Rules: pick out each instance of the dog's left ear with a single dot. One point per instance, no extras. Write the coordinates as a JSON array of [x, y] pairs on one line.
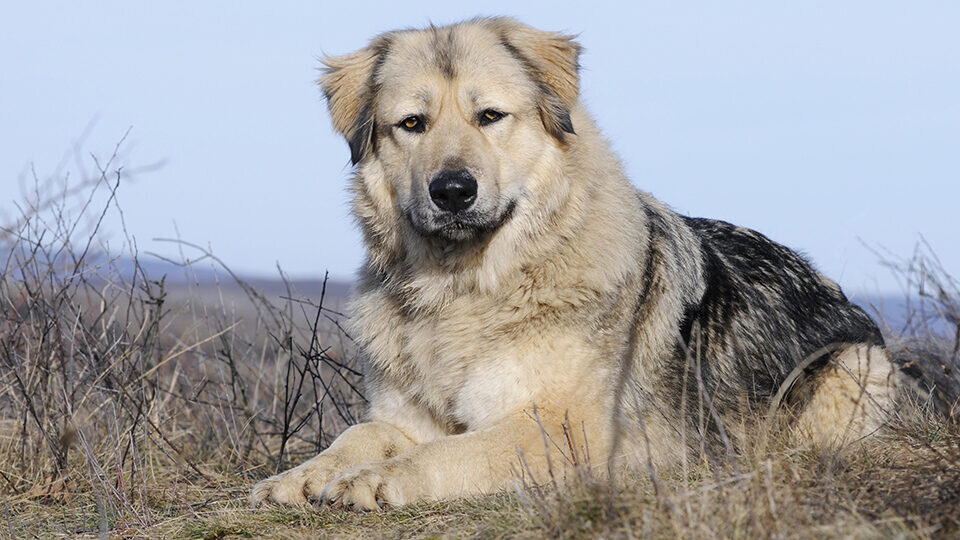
[[553, 61], [347, 84]]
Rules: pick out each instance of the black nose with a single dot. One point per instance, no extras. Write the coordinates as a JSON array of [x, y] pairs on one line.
[[453, 191]]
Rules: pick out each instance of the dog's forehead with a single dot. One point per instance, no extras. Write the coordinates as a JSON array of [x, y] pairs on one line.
[[466, 53]]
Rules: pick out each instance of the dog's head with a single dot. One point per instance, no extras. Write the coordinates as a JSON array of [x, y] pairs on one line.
[[448, 124]]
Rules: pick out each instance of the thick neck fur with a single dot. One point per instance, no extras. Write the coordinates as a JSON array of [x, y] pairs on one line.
[[533, 246]]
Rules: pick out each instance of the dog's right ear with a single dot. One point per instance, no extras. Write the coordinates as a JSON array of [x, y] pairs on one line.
[[347, 84]]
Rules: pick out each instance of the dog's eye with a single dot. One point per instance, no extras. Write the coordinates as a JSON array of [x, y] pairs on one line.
[[490, 116], [413, 124]]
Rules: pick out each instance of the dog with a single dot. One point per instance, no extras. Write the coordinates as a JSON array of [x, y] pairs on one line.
[[520, 294]]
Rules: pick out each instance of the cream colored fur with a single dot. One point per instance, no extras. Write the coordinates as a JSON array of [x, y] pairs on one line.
[[852, 398]]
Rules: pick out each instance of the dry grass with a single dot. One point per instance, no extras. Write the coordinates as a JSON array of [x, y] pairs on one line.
[[127, 412]]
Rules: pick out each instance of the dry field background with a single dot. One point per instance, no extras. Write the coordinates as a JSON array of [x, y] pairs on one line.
[[139, 405]]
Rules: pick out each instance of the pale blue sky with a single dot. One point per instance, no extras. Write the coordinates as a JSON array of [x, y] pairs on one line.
[[820, 124]]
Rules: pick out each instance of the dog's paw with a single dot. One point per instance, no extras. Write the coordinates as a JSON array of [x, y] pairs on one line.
[[370, 487], [294, 487]]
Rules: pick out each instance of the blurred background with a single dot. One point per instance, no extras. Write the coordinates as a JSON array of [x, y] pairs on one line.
[[833, 128]]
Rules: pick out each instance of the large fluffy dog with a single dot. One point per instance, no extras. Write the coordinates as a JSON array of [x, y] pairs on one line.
[[521, 295]]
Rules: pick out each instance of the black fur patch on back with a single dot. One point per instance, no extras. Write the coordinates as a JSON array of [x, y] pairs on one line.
[[764, 309]]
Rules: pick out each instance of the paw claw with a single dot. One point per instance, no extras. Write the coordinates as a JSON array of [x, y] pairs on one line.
[[294, 487], [364, 490]]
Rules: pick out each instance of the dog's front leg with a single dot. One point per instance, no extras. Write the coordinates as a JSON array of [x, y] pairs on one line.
[[482, 461], [361, 443]]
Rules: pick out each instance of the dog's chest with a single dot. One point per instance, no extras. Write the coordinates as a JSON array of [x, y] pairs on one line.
[[470, 364], [467, 372], [480, 359]]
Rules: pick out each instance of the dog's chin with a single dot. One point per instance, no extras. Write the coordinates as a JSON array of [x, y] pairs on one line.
[[457, 232], [464, 228]]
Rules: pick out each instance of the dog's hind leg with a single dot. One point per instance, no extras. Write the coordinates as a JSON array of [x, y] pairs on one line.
[[851, 398]]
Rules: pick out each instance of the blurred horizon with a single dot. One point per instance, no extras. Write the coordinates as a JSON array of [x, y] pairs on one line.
[[832, 129]]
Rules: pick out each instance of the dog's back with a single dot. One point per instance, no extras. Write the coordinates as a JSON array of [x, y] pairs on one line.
[[762, 302], [765, 331]]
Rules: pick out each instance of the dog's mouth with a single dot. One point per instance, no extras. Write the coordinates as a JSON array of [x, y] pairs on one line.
[[460, 227]]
